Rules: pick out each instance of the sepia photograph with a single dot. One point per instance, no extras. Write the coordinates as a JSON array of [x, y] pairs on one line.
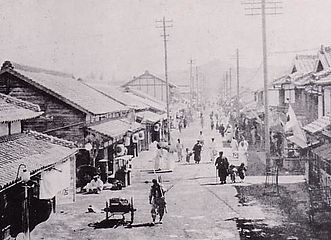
[[165, 119]]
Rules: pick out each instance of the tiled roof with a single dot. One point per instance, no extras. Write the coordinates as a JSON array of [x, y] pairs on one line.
[[13, 109], [147, 75], [67, 88], [115, 129], [305, 63], [126, 98], [151, 101], [36, 151], [281, 80], [151, 117], [303, 80], [324, 80], [318, 125], [324, 56], [304, 66]]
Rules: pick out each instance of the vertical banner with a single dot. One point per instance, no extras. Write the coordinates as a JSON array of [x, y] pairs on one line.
[[68, 194]]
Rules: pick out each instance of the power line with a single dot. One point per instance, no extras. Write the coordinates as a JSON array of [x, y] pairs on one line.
[[293, 51]]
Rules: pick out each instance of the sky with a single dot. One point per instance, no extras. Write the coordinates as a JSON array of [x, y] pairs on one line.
[[118, 39]]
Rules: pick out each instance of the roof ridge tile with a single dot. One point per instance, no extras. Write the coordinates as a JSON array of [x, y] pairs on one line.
[[51, 139], [20, 103]]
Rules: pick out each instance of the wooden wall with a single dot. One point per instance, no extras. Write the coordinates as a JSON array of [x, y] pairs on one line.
[[57, 114]]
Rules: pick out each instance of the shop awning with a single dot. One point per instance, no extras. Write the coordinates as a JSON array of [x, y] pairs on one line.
[[297, 141], [115, 129], [150, 117], [318, 125], [323, 151]]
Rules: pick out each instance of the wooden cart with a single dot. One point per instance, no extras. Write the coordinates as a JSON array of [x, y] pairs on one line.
[[120, 207]]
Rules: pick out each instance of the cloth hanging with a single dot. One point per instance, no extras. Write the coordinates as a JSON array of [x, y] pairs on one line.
[[55, 180]]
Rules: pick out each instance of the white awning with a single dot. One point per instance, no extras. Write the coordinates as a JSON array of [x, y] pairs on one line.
[[318, 125]]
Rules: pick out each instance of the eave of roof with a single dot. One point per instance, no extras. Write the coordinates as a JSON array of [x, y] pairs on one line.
[[125, 98], [92, 102], [148, 74], [115, 129], [13, 109], [37, 151], [318, 125], [150, 117]]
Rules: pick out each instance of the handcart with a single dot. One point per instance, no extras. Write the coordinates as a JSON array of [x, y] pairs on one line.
[[120, 206]]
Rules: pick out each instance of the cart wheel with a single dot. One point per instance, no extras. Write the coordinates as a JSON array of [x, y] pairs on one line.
[[132, 211]]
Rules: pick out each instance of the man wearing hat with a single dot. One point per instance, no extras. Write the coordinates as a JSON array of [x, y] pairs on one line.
[[157, 200], [95, 186]]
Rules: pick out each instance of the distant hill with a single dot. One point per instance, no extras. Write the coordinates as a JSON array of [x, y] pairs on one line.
[[251, 78]]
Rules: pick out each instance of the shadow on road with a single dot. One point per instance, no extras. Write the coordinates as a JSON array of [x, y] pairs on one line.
[[140, 225], [114, 223], [196, 178], [110, 223], [211, 184]]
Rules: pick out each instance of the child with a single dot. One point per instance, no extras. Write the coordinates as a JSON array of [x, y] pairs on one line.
[[233, 172], [242, 171], [188, 155]]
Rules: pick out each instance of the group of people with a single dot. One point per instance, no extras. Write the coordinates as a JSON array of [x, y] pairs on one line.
[[224, 170], [164, 156]]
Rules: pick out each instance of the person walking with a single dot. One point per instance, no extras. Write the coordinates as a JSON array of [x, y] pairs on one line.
[[242, 172], [180, 124], [222, 129], [212, 149], [243, 145], [212, 124], [158, 158], [253, 136], [179, 149], [197, 152], [188, 156], [201, 120], [201, 138], [157, 200], [234, 144], [222, 166]]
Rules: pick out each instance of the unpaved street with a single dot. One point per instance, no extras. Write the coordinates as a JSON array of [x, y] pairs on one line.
[[198, 207]]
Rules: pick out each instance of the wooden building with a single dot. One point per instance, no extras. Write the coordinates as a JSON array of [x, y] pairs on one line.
[[39, 155], [151, 85], [147, 111], [67, 103]]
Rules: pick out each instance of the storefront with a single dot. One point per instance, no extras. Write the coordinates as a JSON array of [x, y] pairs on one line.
[[117, 137], [37, 171]]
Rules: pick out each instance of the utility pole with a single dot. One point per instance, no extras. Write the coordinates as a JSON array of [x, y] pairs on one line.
[[238, 111], [230, 92], [226, 86], [265, 78], [165, 35], [197, 83], [191, 82], [273, 6], [230, 84]]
